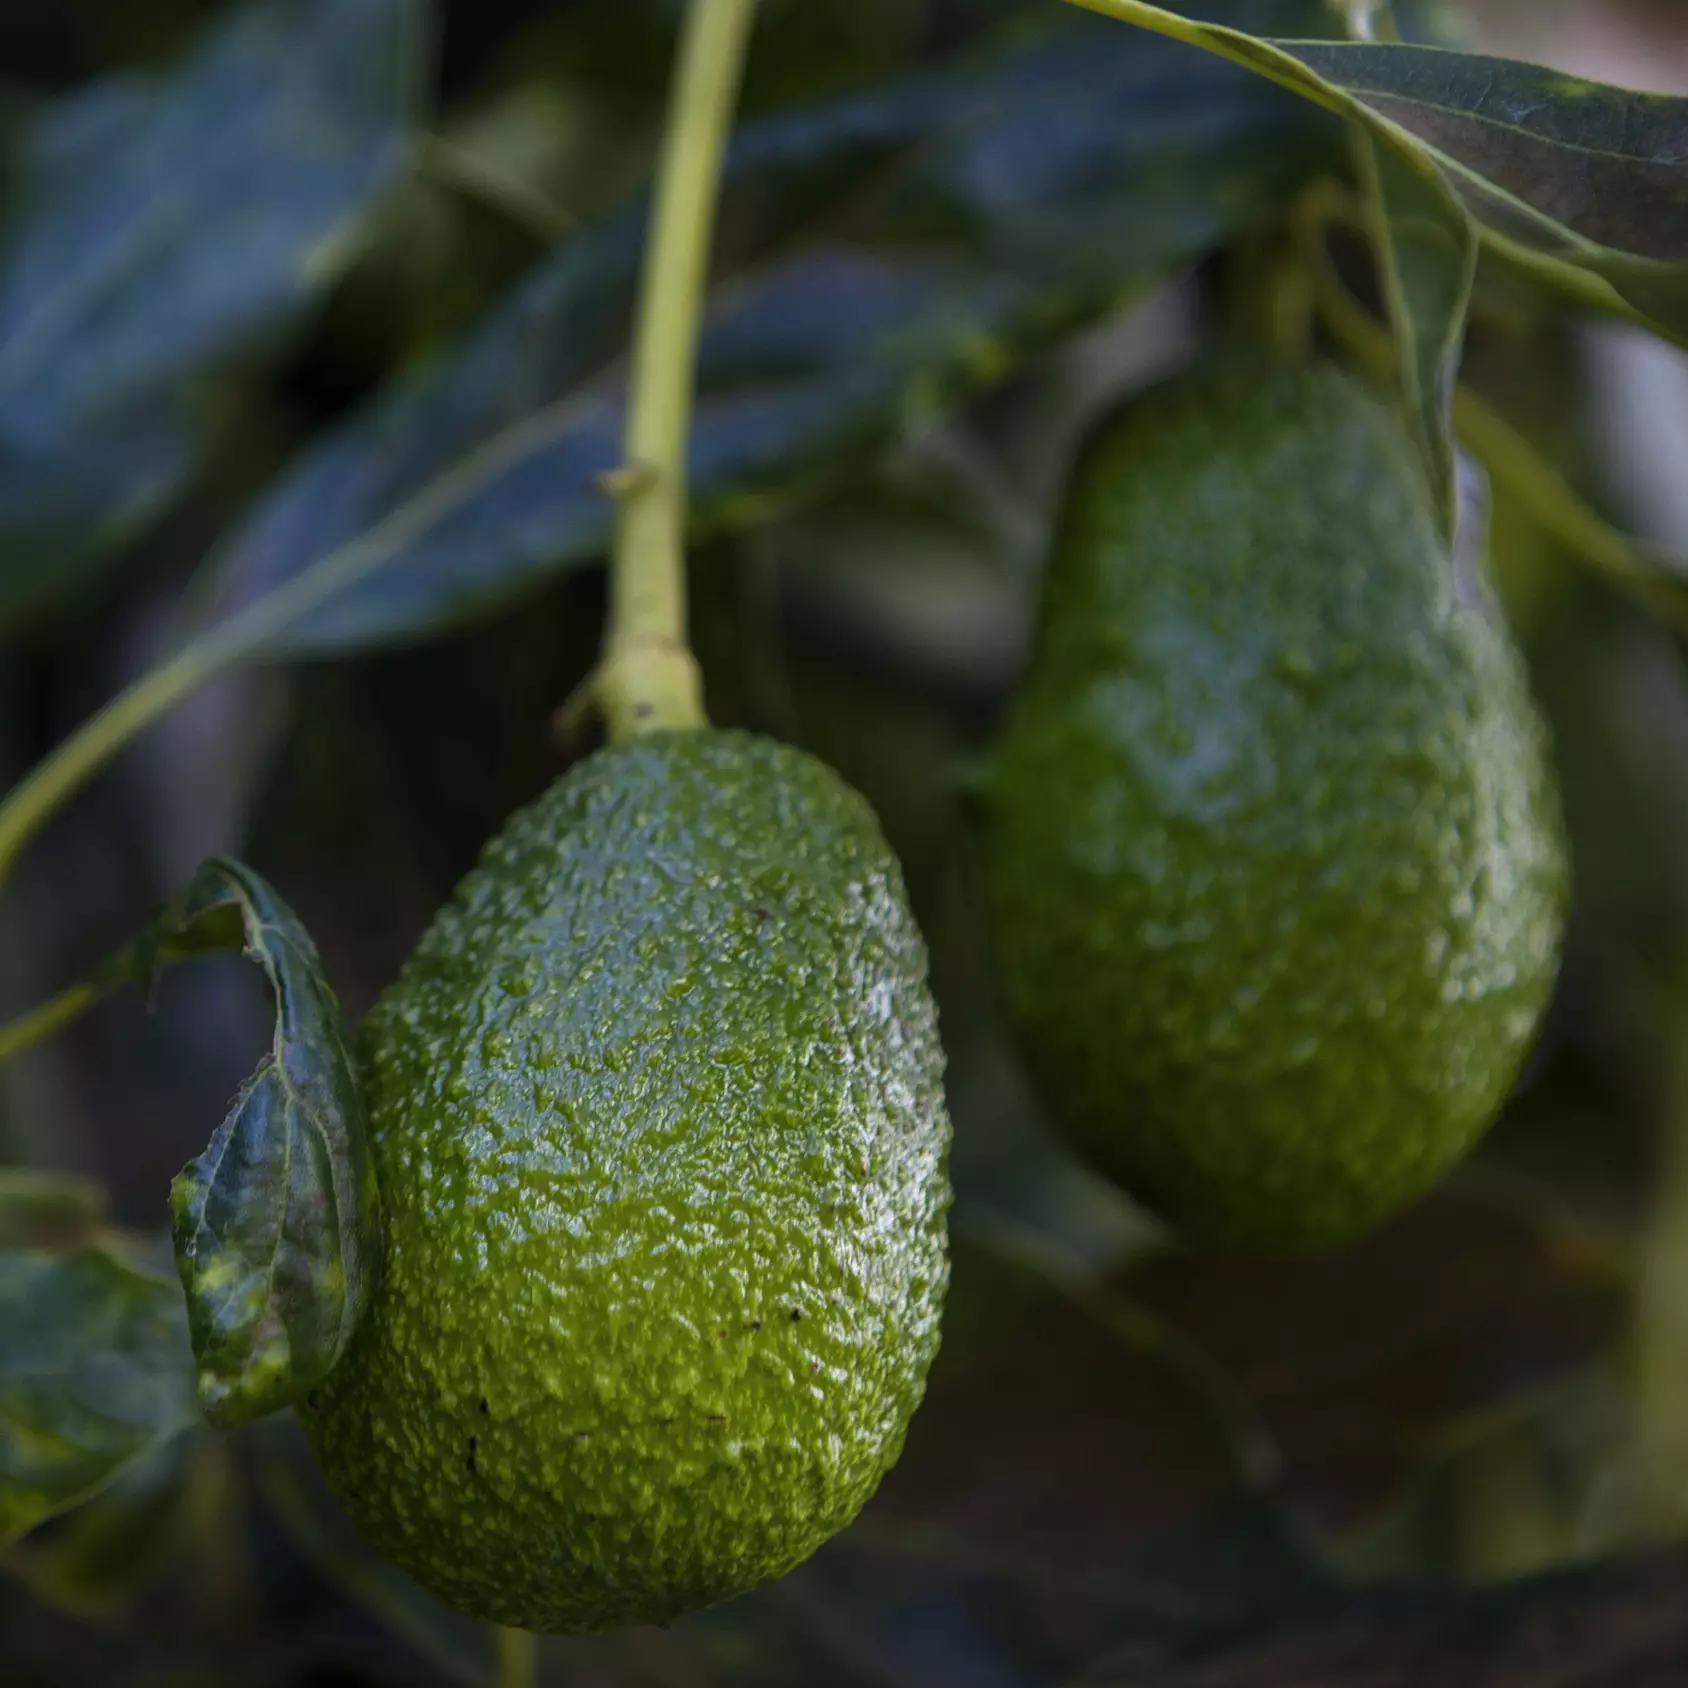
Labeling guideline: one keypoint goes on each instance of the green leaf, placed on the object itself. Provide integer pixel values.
(95, 1373)
(160, 232)
(1007, 203)
(277, 1224)
(1031, 195)
(1584, 183)
(1543, 156)
(1426, 249)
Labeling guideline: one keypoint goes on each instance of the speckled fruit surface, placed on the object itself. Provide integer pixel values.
(1273, 851)
(658, 1118)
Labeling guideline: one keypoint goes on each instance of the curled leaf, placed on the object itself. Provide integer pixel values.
(277, 1224)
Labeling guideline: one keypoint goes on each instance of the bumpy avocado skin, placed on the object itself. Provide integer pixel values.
(1274, 858)
(658, 1116)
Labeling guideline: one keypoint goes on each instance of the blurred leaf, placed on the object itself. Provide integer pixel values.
(159, 232)
(95, 1373)
(277, 1224)
(1426, 248)
(1034, 193)
(97, 1559)
(1584, 183)
(53, 1212)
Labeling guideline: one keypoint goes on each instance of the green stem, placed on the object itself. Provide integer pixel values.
(518, 1659)
(246, 634)
(648, 679)
(42, 1022)
(459, 171)
(50, 782)
(1248, 1445)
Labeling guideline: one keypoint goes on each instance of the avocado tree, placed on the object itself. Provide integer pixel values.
(1110, 532)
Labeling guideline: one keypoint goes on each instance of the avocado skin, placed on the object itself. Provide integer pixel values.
(658, 1116)
(1274, 861)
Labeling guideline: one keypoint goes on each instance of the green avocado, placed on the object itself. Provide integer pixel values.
(658, 1117)
(1273, 854)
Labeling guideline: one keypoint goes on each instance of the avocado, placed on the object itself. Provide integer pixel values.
(658, 1118)
(1273, 858)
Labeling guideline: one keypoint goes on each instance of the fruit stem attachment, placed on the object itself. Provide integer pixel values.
(648, 679)
(518, 1658)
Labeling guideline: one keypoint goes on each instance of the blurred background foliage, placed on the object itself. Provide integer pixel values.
(953, 229)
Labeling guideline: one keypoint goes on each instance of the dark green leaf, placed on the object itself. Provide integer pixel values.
(1579, 173)
(1585, 184)
(95, 1372)
(1607, 164)
(277, 1224)
(160, 232)
(50, 1211)
(1427, 255)
(1044, 189)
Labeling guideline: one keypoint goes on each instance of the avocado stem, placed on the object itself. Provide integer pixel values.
(648, 679)
(518, 1658)
(40, 1023)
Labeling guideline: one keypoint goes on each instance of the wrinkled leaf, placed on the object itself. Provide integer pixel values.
(95, 1373)
(1585, 183)
(54, 1212)
(277, 1224)
(1044, 189)
(1426, 249)
(160, 231)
